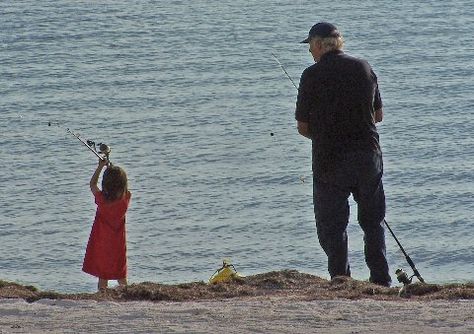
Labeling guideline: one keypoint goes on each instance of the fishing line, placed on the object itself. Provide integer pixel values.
(284, 155)
(302, 178)
(101, 151)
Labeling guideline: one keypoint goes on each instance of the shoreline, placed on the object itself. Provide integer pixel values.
(275, 302)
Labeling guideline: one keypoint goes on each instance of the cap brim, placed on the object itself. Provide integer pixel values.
(305, 40)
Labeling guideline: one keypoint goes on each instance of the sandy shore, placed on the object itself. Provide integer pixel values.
(237, 315)
(275, 302)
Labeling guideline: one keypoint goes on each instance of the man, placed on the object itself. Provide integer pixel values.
(337, 107)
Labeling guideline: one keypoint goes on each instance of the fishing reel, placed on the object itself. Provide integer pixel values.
(103, 152)
(103, 149)
(402, 277)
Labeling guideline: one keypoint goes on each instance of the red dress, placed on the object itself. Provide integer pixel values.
(106, 253)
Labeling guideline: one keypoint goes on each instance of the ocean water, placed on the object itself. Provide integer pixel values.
(187, 94)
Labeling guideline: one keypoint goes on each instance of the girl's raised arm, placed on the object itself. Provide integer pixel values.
(95, 177)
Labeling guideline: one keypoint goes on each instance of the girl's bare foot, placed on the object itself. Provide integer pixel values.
(122, 282)
(102, 286)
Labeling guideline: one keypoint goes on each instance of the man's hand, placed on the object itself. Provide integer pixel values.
(378, 115)
(303, 129)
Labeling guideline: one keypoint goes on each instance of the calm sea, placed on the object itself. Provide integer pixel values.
(187, 94)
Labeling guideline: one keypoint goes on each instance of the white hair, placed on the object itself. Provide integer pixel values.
(330, 43)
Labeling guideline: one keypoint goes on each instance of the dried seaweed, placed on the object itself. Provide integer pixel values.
(287, 283)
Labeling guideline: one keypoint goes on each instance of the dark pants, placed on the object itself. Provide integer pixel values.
(359, 173)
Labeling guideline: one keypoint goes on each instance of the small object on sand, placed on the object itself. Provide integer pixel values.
(225, 274)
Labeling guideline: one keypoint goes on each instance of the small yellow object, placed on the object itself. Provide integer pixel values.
(225, 274)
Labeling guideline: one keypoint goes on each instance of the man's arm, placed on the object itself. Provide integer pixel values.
(303, 129)
(378, 115)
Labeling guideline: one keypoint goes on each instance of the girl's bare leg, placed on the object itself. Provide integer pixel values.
(103, 284)
(122, 282)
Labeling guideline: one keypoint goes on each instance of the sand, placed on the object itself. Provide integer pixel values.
(240, 315)
(278, 302)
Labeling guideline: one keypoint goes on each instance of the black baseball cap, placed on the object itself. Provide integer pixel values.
(323, 30)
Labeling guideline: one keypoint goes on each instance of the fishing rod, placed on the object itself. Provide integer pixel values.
(103, 152)
(284, 70)
(401, 274)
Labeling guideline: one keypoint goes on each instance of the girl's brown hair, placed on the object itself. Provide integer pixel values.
(114, 183)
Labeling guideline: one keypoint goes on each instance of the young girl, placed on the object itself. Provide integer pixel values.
(106, 256)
